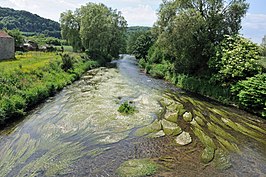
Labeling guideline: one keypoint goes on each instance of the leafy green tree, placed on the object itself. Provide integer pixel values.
(236, 59)
(70, 28)
(190, 30)
(142, 45)
(17, 35)
(96, 28)
(102, 30)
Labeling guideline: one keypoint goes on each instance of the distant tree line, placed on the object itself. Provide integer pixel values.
(28, 22)
(95, 28)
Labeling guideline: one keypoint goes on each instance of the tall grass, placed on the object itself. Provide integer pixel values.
(33, 77)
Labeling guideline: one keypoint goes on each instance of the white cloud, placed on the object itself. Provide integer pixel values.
(254, 27)
(255, 21)
(141, 15)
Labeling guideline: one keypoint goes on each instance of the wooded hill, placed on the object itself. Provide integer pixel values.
(28, 23)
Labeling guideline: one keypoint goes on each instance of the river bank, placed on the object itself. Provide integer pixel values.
(33, 77)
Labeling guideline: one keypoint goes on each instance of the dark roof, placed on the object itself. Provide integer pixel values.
(4, 34)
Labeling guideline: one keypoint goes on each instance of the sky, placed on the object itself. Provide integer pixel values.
(138, 12)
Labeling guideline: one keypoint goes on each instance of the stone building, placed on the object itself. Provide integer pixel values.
(7, 46)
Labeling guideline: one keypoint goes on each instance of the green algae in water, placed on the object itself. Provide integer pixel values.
(194, 123)
(205, 139)
(137, 168)
(228, 145)
(218, 121)
(240, 128)
(199, 121)
(255, 127)
(219, 131)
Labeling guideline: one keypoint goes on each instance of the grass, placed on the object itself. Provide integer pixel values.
(32, 77)
(66, 48)
(28, 61)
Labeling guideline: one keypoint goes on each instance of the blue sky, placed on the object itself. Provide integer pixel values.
(138, 12)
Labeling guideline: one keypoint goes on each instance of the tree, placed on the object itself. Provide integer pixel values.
(236, 59)
(190, 30)
(70, 28)
(142, 45)
(18, 37)
(96, 28)
(102, 30)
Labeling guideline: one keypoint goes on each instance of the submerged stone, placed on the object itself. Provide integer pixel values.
(171, 116)
(187, 117)
(221, 160)
(156, 126)
(183, 139)
(157, 135)
(171, 128)
(137, 168)
(175, 106)
(207, 155)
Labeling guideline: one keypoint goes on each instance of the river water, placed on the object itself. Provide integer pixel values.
(79, 132)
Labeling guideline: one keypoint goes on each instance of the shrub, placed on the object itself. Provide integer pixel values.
(251, 93)
(126, 108)
(236, 58)
(142, 63)
(158, 70)
(68, 62)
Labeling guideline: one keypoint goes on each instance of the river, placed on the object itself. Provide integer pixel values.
(79, 132)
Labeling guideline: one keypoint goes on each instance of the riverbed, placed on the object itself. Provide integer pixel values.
(79, 132)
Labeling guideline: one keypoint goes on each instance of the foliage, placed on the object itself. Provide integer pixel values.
(158, 70)
(96, 28)
(17, 35)
(204, 87)
(126, 108)
(68, 62)
(70, 27)
(236, 58)
(132, 34)
(251, 93)
(28, 22)
(42, 39)
(33, 77)
(142, 45)
(189, 30)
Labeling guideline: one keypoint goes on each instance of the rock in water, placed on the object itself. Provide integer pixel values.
(171, 116)
(183, 139)
(221, 160)
(187, 117)
(157, 135)
(171, 128)
(207, 155)
(152, 128)
(137, 168)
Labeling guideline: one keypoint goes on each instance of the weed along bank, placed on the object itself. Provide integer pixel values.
(7, 46)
